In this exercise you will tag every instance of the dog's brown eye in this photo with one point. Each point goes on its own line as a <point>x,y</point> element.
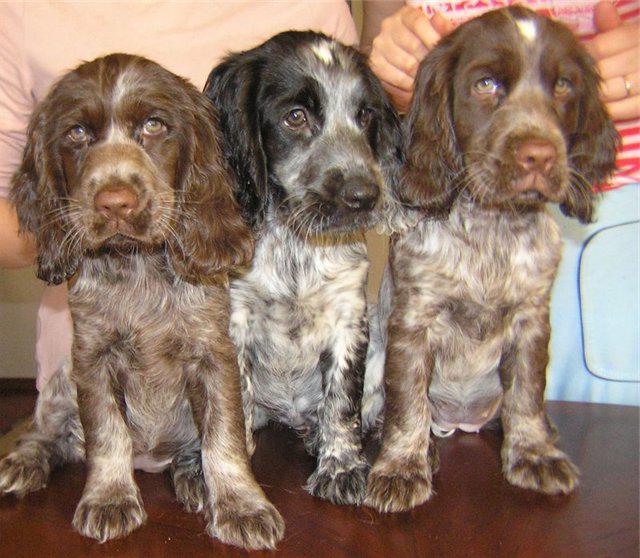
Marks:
<point>486,86</point>
<point>78,134</point>
<point>562,88</point>
<point>153,127</point>
<point>296,119</point>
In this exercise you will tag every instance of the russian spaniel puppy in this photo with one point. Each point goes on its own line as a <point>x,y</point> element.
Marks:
<point>123,185</point>
<point>316,147</point>
<point>505,118</point>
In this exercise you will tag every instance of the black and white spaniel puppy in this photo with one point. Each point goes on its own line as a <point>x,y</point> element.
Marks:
<point>505,118</point>
<point>315,145</point>
<point>125,189</point>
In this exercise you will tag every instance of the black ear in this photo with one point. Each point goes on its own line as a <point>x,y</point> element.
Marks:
<point>433,160</point>
<point>232,86</point>
<point>387,142</point>
<point>38,191</point>
<point>592,153</point>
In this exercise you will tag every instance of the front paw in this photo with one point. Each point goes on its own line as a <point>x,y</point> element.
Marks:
<point>338,483</point>
<point>21,474</point>
<point>109,517</point>
<point>546,470</point>
<point>398,488</point>
<point>253,526</point>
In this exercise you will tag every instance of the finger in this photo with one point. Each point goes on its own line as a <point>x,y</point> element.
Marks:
<point>615,89</point>
<point>441,24</point>
<point>625,109</point>
<point>606,17</point>
<point>402,60</point>
<point>619,64</point>
<point>420,25</point>
<point>410,43</point>
<point>612,42</point>
<point>401,99</point>
<point>389,73</point>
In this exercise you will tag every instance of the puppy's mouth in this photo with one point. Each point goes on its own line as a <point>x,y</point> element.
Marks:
<point>318,216</point>
<point>535,187</point>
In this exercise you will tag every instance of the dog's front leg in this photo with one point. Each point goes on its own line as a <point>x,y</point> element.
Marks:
<point>240,513</point>
<point>111,505</point>
<point>530,458</point>
<point>400,478</point>
<point>340,475</point>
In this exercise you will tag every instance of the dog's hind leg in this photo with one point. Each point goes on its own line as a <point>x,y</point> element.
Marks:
<point>55,437</point>
<point>188,479</point>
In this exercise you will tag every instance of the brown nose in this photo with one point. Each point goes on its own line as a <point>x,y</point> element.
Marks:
<point>115,202</point>
<point>536,155</point>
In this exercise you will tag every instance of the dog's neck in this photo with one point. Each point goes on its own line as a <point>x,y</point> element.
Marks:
<point>473,218</point>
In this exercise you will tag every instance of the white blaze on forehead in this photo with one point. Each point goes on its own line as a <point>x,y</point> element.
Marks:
<point>323,52</point>
<point>527,29</point>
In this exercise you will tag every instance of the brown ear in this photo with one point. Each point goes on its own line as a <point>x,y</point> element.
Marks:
<point>212,237</point>
<point>592,153</point>
<point>38,191</point>
<point>433,161</point>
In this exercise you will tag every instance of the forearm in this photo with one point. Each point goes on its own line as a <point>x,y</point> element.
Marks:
<point>15,250</point>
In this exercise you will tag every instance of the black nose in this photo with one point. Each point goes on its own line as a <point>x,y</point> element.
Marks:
<point>359,194</point>
<point>116,202</point>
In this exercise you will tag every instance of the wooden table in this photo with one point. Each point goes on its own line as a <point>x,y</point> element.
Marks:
<point>474,512</point>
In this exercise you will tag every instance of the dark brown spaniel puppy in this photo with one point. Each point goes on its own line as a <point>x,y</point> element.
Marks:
<point>123,185</point>
<point>505,118</point>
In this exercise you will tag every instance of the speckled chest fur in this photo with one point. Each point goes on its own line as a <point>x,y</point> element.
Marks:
<point>291,314</point>
<point>469,276</point>
<point>150,326</point>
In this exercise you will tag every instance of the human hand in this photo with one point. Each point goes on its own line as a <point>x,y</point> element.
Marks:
<point>404,40</point>
<point>616,49</point>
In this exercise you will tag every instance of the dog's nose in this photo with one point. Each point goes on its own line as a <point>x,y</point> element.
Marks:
<point>116,202</point>
<point>536,155</point>
<point>359,194</point>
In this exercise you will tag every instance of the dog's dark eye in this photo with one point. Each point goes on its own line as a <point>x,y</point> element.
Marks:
<point>78,134</point>
<point>153,127</point>
<point>562,88</point>
<point>487,86</point>
<point>296,119</point>
<point>364,117</point>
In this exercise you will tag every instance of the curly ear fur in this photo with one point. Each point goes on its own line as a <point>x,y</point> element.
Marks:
<point>433,160</point>
<point>387,142</point>
<point>232,87</point>
<point>592,152</point>
<point>38,191</point>
<point>213,239</point>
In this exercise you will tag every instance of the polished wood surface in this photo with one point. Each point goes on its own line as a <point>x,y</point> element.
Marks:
<point>474,512</point>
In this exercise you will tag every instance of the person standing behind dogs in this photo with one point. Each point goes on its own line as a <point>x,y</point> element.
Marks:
<point>40,41</point>
<point>399,36</point>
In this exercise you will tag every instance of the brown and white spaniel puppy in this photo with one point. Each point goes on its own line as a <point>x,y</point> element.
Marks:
<point>122,184</point>
<point>505,118</point>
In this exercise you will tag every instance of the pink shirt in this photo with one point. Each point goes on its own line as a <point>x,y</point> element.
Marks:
<point>40,41</point>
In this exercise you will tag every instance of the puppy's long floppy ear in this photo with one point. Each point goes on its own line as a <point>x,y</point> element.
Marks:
<point>387,142</point>
<point>232,87</point>
<point>212,239</point>
<point>592,153</point>
<point>433,160</point>
<point>39,193</point>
